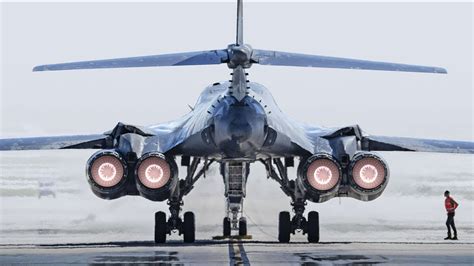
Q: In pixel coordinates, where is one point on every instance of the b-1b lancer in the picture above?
(236, 124)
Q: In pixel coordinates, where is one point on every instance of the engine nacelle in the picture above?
(368, 176)
(156, 176)
(319, 176)
(107, 174)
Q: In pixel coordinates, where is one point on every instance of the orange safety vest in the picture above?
(450, 205)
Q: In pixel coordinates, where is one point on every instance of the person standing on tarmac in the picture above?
(450, 204)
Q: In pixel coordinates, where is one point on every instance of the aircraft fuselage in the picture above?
(239, 127)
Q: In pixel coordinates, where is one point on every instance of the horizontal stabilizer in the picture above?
(177, 59)
(274, 58)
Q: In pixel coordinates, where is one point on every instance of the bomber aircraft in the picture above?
(235, 124)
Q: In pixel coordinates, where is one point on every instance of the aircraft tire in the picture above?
(226, 226)
(284, 227)
(189, 227)
(242, 226)
(161, 227)
(313, 227)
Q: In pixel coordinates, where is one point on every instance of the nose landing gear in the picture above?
(235, 178)
(227, 228)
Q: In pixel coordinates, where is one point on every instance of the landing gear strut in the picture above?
(286, 224)
(185, 226)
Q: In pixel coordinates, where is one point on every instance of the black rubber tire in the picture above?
(226, 227)
(242, 226)
(313, 227)
(161, 227)
(284, 227)
(189, 227)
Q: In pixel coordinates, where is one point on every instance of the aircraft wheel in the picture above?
(242, 226)
(284, 227)
(313, 227)
(161, 227)
(226, 226)
(189, 227)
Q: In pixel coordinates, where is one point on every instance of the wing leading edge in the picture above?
(162, 137)
(253, 56)
(211, 57)
(276, 58)
(383, 143)
(97, 141)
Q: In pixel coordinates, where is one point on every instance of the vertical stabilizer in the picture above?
(238, 87)
(240, 23)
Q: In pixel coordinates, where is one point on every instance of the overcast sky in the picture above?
(92, 101)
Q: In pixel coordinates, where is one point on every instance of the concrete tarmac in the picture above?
(236, 252)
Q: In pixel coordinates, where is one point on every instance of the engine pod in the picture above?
(107, 174)
(368, 176)
(156, 175)
(320, 176)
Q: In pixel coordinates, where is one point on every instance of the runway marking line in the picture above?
(237, 254)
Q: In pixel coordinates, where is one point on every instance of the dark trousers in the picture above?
(450, 224)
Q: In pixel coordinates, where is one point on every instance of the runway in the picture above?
(205, 252)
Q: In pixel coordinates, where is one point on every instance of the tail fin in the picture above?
(240, 23)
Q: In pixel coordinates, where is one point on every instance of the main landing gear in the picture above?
(288, 225)
(185, 226)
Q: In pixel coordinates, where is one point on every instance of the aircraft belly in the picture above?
(302, 136)
(187, 134)
(196, 145)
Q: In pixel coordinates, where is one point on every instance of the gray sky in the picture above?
(91, 101)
